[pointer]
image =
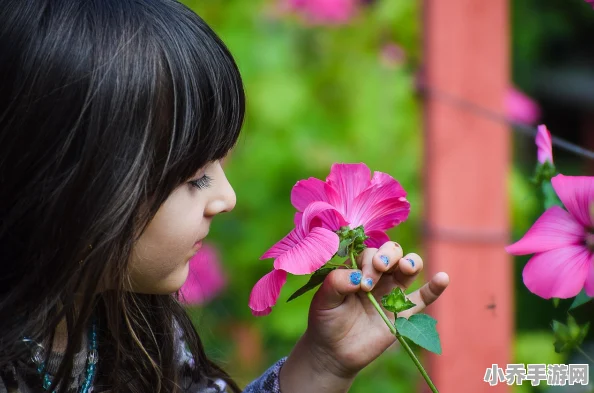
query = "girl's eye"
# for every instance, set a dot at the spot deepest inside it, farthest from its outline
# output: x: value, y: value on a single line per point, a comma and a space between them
x: 203, y: 182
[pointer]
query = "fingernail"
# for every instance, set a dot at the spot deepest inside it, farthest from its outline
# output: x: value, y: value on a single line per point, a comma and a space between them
x: 411, y: 261
x: 397, y: 245
x: 385, y: 260
x: 368, y: 282
x: 356, y: 278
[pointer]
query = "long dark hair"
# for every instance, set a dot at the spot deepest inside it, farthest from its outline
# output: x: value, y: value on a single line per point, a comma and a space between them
x: 106, y: 106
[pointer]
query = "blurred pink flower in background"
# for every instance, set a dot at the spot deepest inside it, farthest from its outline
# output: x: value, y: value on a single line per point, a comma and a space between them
x: 591, y: 2
x: 320, y: 12
x: 562, y: 243
x: 205, y: 278
x: 521, y: 108
x: 544, y: 144
x: 392, y: 55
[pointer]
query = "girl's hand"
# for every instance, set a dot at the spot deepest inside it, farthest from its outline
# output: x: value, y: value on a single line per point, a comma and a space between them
x: 345, y: 332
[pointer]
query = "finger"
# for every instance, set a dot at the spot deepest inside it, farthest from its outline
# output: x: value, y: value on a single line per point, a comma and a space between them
x: 388, y: 255
x: 404, y: 272
x: 427, y: 294
x: 366, y: 254
x: 408, y: 269
x: 373, y: 266
x: 336, y: 287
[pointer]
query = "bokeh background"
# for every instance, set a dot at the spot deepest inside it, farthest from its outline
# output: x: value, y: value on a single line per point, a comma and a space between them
x: 343, y: 88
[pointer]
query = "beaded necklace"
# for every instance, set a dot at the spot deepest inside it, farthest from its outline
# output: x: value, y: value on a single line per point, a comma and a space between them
x: 38, y: 357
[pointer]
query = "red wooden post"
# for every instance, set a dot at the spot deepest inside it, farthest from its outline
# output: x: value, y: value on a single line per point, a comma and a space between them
x: 467, y: 162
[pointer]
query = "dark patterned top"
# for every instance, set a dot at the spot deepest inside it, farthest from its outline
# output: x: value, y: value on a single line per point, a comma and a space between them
x: 23, y: 377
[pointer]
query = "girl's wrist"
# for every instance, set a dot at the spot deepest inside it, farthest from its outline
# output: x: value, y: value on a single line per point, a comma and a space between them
x: 308, y: 369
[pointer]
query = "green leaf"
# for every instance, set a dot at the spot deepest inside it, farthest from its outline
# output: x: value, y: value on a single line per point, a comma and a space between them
x: 556, y: 302
x: 570, y: 336
x: 316, y: 279
x: 550, y: 196
x: 580, y: 299
x: 420, y: 329
x: 343, y: 247
x: 396, y: 301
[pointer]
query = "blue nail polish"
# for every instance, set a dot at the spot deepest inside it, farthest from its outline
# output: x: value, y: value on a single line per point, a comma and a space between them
x: 411, y: 262
x: 356, y: 278
x: 385, y: 260
x: 369, y: 282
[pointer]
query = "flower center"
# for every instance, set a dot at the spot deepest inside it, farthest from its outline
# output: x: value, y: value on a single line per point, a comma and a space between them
x: 590, y: 241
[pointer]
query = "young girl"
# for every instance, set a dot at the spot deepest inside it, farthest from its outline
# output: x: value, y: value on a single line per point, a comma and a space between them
x: 114, y: 116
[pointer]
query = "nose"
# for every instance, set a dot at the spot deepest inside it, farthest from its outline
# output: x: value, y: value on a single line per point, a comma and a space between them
x: 224, y: 198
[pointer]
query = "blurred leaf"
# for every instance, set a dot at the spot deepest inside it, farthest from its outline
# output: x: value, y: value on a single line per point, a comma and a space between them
x: 580, y: 299
x: 570, y: 336
x: 420, y: 329
x: 550, y: 196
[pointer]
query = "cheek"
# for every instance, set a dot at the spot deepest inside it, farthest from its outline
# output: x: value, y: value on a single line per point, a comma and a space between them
x: 159, y: 262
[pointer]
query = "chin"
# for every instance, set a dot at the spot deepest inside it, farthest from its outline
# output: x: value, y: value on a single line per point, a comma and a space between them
x: 169, y: 284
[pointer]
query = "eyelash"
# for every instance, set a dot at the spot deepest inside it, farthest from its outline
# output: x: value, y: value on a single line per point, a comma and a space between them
x: 202, y: 183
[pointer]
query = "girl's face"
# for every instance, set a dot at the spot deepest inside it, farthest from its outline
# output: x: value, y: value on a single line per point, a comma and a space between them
x: 159, y: 263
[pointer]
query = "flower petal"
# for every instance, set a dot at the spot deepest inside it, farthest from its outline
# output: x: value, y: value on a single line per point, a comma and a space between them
x: 555, y: 228
x: 205, y: 278
x: 589, y: 286
x: 558, y: 273
x: 577, y: 194
x: 317, y: 248
x: 285, y: 244
x: 382, y: 179
x: 322, y: 214
x: 376, y: 239
x: 266, y: 292
x: 379, y: 208
x: 544, y: 145
x: 308, y: 191
x: 349, y: 180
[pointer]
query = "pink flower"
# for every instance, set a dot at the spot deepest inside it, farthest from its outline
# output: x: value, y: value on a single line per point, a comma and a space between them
x: 521, y: 108
x: 323, y: 11
x: 591, y: 2
x: 205, y: 278
x: 348, y: 197
x: 544, y: 144
x: 562, y: 243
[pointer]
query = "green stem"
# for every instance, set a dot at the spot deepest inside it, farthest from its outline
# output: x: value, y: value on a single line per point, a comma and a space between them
x: 353, y: 262
x: 417, y: 362
x: 403, y: 343
x: 382, y: 314
x: 580, y: 350
x: 399, y: 337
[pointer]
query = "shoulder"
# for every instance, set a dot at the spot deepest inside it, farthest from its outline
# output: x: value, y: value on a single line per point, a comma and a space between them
x: 267, y: 382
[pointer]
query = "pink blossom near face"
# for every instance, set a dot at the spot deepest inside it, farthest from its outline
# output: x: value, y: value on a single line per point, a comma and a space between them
x: 350, y: 196
x: 521, y: 108
x: 206, y: 278
x: 544, y: 144
x: 562, y: 243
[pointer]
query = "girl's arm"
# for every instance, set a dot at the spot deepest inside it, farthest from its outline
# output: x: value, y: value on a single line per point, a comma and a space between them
x: 305, y: 371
